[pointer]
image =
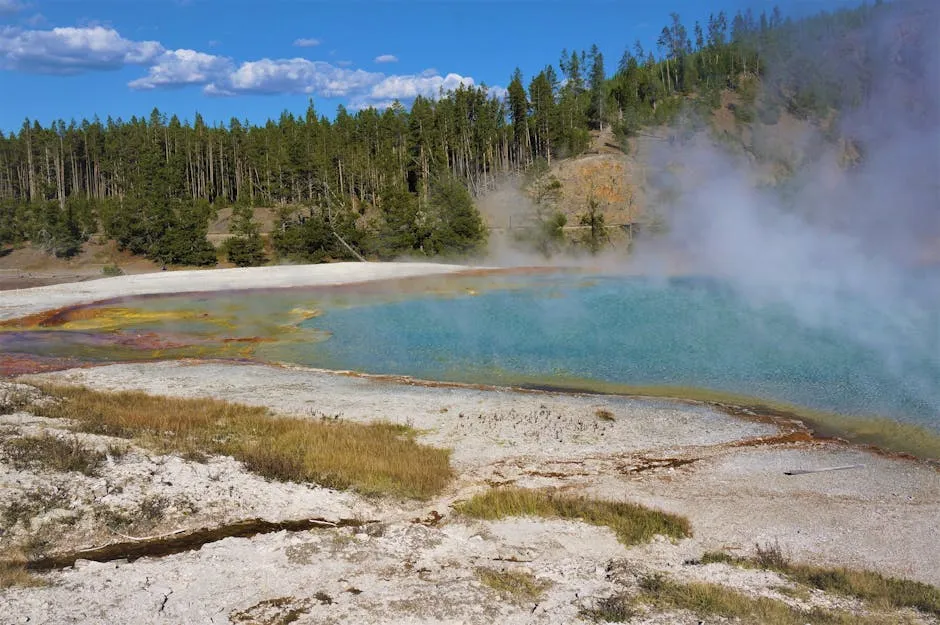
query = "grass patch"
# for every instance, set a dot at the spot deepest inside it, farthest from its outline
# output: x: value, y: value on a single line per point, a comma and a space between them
x: 800, y: 593
x: 53, y: 453
x: 30, y: 504
x: 713, y: 557
x: 604, y: 415
x: 632, y: 523
x: 280, y: 611
x: 771, y: 556
x: 875, y: 589
x: 13, y: 401
x: 378, y: 458
x: 13, y: 573
x: 712, y: 600
x: 517, y: 585
x: 614, y: 609
x: 148, y: 514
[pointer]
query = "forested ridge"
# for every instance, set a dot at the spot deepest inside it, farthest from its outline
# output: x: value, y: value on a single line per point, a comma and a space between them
x: 379, y: 184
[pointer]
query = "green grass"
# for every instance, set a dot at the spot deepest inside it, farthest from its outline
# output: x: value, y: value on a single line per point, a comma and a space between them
x: 515, y: 585
x: 633, y: 524
x: 377, y: 458
x: 874, y: 589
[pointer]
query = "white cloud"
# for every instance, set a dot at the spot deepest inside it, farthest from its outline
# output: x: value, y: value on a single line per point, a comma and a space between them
x: 407, y: 87
x: 178, y: 68
x: 72, y: 50
x: 304, y: 42
x: 298, y: 75
x: 8, y: 7
x: 362, y: 104
x: 500, y: 93
x: 386, y: 58
x: 68, y: 51
x: 215, y: 90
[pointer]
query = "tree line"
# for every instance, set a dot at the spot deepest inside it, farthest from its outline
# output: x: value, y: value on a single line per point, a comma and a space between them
x: 384, y: 183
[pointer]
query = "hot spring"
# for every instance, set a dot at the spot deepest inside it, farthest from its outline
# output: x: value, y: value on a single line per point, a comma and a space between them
x: 691, y: 337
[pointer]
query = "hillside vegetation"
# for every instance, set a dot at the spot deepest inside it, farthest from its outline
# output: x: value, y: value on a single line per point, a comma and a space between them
x: 381, y: 184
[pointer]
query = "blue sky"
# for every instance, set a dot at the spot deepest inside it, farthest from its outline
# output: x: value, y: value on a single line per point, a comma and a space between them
x: 77, y: 58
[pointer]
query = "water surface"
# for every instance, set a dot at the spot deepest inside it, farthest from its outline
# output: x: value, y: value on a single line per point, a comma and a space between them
x: 547, y: 329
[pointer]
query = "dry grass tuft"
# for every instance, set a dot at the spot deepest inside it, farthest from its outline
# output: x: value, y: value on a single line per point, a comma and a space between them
x: 13, y: 400
x: 53, y: 453
x: 378, y: 458
x: 875, y: 589
x: 604, y: 415
x: 712, y: 557
x: 13, y: 572
x: 771, y: 556
x: 614, y: 609
x: 713, y: 600
x: 517, y: 585
x: 632, y: 523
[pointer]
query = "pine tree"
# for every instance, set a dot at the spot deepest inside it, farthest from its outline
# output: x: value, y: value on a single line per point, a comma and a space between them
x: 455, y: 224
x: 544, y: 113
x: 597, y: 89
x: 245, y: 248
x: 519, y: 114
x: 400, y: 231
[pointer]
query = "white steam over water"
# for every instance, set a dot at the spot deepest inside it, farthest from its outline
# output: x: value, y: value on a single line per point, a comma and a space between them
x: 854, y: 249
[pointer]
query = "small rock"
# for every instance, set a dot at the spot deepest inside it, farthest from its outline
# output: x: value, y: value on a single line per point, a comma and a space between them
x: 100, y: 489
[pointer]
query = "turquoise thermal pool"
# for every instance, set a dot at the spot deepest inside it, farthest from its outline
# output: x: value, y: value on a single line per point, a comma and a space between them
x: 546, y: 329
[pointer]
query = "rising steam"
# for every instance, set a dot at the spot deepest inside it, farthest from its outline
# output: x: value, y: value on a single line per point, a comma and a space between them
x: 851, y: 242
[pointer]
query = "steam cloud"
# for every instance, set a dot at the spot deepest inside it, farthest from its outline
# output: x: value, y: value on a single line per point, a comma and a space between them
x: 852, y: 249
